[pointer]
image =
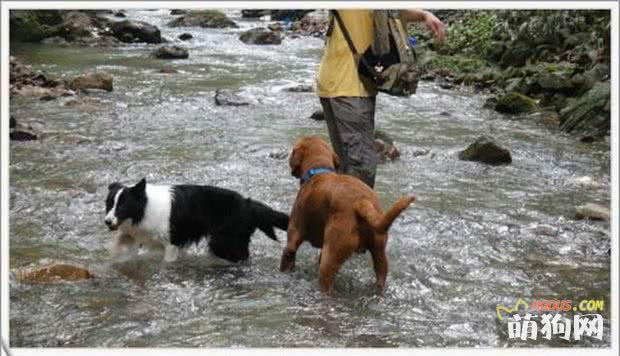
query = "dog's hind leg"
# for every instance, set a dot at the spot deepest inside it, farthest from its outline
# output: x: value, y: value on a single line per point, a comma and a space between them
x: 233, y: 244
x: 294, y: 239
x: 380, y: 262
x: 331, y: 260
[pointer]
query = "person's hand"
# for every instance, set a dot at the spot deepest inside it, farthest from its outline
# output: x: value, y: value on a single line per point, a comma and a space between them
x: 435, y: 25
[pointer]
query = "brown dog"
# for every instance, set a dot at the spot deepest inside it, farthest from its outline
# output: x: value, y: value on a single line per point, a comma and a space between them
x: 335, y: 212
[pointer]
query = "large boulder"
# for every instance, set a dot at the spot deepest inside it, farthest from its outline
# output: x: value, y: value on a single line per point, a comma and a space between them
x: 97, y: 80
x: 52, y: 272
x: 227, y: 97
x: 515, y: 103
x: 171, y: 52
x: 487, y: 151
x: 589, y: 114
x: 203, y: 18
x: 260, y: 36
x: 130, y: 31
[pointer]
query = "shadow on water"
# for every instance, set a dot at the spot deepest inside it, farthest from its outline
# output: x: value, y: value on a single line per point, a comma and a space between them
x: 477, y: 237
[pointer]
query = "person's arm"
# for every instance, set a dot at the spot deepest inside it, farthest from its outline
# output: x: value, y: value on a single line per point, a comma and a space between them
x: 431, y: 21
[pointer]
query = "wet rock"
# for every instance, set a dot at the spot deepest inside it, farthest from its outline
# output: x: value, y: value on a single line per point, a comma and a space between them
x: 120, y: 14
x: 486, y: 150
x: 226, y: 97
x: 254, y: 13
x: 176, y: 12
x: 97, y: 80
x: 19, y: 135
x: 313, y: 23
x: 168, y: 70
x: 318, y: 115
x: 590, y: 114
x: 275, y: 27
x: 592, y: 211
x: 203, y: 18
x: 52, y: 272
x: 260, y: 36
x: 185, y: 36
x: 56, y: 40
x: 515, y: 103
x: 300, y: 88
x: 84, y: 103
x: 279, y: 155
x: 171, y: 52
x: 384, y: 145
x: 12, y: 122
x: 76, y: 139
x: 587, y: 139
x: 130, y: 31
x: 76, y: 24
x: 47, y: 98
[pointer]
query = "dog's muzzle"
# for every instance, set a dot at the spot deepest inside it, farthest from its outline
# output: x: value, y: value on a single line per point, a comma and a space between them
x: 111, y: 225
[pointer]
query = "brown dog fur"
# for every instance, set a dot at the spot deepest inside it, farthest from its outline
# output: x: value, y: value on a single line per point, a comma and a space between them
x: 337, y: 213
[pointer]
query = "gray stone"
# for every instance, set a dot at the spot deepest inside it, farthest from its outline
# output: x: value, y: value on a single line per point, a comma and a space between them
x: 260, y: 36
x: 171, y: 52
x: 486, y: 150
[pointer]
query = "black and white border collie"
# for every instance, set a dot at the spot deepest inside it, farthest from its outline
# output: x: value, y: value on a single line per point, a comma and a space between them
x: 175, y: 216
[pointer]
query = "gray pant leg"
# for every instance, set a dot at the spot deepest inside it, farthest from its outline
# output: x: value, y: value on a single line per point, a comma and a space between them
x: 351, y: 126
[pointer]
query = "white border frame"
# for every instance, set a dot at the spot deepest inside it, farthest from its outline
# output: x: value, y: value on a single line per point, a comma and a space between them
x: 4, y: 166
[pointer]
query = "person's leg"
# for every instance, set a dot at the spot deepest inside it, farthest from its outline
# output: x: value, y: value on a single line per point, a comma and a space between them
x: 351, y: 126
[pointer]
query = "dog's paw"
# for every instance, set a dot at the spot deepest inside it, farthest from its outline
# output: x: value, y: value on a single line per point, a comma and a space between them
x: 171, y: 253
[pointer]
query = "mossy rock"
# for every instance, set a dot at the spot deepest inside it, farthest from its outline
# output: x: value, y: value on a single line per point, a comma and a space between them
x: 453, y: 63
x: 515, y: 103
x: 590, y: 113
x: 203, y: 18
x: 34, y: 25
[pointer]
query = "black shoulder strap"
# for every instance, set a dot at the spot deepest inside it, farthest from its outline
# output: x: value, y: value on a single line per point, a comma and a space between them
x: 347, y: 38
x: 344, y: 31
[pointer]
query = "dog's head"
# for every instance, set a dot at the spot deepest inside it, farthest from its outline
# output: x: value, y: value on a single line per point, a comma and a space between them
x: 124, y: 203
x: 310, y: 152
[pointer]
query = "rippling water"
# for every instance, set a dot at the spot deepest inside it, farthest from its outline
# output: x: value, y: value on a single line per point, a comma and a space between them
x: 477, y: 237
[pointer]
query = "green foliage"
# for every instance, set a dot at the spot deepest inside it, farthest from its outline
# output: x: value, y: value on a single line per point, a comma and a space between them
x: 471, y: 34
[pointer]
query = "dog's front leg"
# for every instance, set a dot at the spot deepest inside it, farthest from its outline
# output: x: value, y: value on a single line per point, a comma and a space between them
x: 171, y: 253
x: 122, y: 244
x: 287, y: 263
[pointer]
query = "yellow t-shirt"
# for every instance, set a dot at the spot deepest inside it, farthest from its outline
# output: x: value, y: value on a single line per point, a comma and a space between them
x: 338, y: 73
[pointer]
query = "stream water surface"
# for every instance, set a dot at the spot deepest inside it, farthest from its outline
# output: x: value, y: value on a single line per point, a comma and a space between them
x: 477, y: 237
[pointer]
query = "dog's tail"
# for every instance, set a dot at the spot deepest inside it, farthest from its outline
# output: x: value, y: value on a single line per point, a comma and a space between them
x: 381, y: 223
x: 266, y: 218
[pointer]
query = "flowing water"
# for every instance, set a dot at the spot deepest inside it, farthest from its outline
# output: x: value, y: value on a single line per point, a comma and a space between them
x: 477, y: 237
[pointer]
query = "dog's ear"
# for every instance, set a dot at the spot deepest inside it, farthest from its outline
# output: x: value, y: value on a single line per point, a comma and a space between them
x: 141, y: 186
x: 114, y: 186
x: 294, y: 162
x: 335, y: 160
